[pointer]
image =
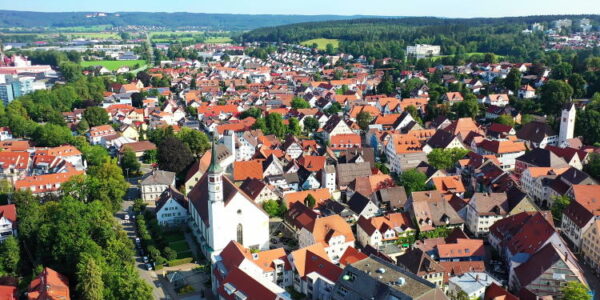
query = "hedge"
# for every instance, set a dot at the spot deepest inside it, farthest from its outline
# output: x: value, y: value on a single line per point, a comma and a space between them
x: 177, y: 262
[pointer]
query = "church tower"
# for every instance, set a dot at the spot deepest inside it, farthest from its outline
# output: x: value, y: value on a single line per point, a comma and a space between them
x: 216, y: 207
x: 567, y: 124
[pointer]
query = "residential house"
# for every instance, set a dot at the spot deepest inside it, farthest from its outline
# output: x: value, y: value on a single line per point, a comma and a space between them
x: 154, y: 183
x: 537, y: 135
x: 581, y: 213
x: 49, y: 285
x: 421, y: 264
x: 431, y: 210
x: 172, y: 208
x: 484, y: 210
x: 505, y: 151
x: 377, y: 231
x: 97, y: 134
x: 8, y: 221
x: 474, y: 284
x: 589, y: 247
x: 314, y: 273
x: 333, y: 232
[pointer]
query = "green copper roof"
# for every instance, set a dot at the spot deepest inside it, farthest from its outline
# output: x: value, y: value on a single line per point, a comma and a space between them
x: 214, y: 162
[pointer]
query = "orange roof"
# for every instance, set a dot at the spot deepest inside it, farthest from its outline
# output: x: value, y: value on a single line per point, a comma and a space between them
x: 8, y: 292
x: 463, y: 126
x: 500, y: 147
x: 63, y: 151
x: 462, y: 248
x: 320, y: 195
x: 323, y: 229
x: 587, y: 196
x: 543, y: 171
x: 351, y: 255
x: 448, y: 184
x: 14, y: 145
x: 263, y: 259
x: 243, y: 170
x: 372, y: 110
x: 299, y: 256
x: 20, y: 160
x: 312, y: 163
x: 388, y: 119
x: 351, y: 139
x: 49, y: 285
x: 46, y: 182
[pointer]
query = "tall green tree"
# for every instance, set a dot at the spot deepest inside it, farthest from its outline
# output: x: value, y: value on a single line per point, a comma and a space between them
x: 443, y: 159
x: 70, y: 70
x: 413, y: 181
x: 95, y: 116
x: 513, y: 80
x: 555, y: 94
x: 89, y: 279
x: 298, y: 102
x: 558, y: 206
x: 364, y: 119
x: 311, y: 124
x: 9, y: 257
x: 310, y: 201
x: 274, y: 125
x: 577, y: 82
x: 294, y: 127
x: 174, y: 155
x: 561, y: 71
x: 50, y: 135
x: 196, y: 140
x: 575, y: 290
x: 129, y: 162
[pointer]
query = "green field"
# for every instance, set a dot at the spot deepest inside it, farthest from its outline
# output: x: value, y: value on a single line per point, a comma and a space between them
x: 113, y: 64
x: 321, y: 43
x: 93, y: 35
x: 218, y: 40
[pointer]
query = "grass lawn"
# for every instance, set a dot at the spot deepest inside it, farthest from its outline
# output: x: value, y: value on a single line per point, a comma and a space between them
x: 218, y: 40
x: 173, y: 237
x: 179, y: 246
x: 113, y: 64
x: 321, y: 43
x: 184, y: 254
x: 93, y: 35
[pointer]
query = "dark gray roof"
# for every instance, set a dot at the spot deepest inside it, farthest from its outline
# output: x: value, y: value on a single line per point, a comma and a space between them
x: 348, y: 172
x: 375, y: 278
x: 440, y: 139
x: 542, y: 158
x: 535, y: 131
x: 159, y: 177
x: 358, y: 202
x: 395, y: 197
x: 171, y: 193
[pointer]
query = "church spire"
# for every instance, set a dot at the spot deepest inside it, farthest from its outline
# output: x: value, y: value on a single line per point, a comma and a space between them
x: 214, y: 167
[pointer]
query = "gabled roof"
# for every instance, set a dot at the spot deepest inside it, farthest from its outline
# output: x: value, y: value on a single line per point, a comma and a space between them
x: 535, y: 131
x: 49, y: 285
x: 541, y: 157
x: 351, y: 255
x: 419, y: 262
x: 243, y: 170
x: 245, y: 286
x: 158, y: 177
x: 171, y: 193
x: 323, y: 229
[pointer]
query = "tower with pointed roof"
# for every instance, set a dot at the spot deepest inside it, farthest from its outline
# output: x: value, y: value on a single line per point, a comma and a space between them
x: 216, y: 206
x: 567, y: 124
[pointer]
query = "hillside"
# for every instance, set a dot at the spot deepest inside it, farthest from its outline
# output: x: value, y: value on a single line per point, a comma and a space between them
x: 388, y: 37
x: 27, y: 19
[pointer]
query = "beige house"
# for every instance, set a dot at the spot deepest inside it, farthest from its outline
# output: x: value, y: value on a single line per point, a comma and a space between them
x: 589, y: 246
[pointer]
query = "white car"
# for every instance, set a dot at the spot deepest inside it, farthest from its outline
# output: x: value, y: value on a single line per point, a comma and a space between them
x: 126, y: 217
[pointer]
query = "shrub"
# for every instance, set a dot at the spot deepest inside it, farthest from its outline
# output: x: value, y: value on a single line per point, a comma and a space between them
x: 177, y: 262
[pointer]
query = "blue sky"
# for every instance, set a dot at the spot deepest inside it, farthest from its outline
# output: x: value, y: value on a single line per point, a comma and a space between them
x: 440, y: 8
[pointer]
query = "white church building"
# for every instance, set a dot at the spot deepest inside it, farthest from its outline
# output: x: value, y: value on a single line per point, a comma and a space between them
x: 221, y: 212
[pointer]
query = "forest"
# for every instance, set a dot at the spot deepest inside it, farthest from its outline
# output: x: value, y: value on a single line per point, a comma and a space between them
x: 385, y: 37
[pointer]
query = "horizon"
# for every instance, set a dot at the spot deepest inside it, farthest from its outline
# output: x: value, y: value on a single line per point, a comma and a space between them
x: 350, y: 8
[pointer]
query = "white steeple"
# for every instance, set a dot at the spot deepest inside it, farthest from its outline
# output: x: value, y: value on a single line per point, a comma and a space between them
x: 216, y: 206
x: 567, y: 124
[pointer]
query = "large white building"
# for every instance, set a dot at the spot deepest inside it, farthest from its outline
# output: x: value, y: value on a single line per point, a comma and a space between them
x: 221, y: 213
x: 423, y: 50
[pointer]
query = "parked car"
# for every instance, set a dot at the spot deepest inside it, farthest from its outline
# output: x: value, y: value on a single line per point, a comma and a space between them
x: 126, y: 217
x: 149, y: 267
x: 145, y: 259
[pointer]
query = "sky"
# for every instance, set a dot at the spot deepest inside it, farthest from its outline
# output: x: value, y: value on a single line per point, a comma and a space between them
x: 438, y: 8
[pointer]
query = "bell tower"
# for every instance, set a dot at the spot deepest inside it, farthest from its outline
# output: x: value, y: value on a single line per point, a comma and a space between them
x: 216, y: 207
x: 567, y: 124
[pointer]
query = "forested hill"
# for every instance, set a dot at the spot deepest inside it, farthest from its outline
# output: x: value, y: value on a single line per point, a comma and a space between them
x: 388, y: 37
x: 29, y: 19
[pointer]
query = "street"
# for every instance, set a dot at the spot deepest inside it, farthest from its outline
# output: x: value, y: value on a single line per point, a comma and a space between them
x: 149, y: 276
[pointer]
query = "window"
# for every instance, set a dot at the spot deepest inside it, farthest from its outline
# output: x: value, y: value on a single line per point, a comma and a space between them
x: 240, y: 234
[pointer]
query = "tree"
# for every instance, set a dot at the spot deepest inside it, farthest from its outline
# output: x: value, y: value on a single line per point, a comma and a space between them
x: 555, y: 94
x: 575, y: 290
x: 89, y: 279
x: 558, y: 206
x: 95, y: 116
x: 83, y: 126
x: 562, y: 71
x: 106, y: 184
x: 386, y: 86
x: 71, y: 71
x: 137, y: 100
x: 513, y: 80
x: 197, y: 141
x: 129, y: 162
x: 505, y: 120
x: 593, y: 166
x: 577, y: 82
x: 9, y: 256
x: 310, y: 201
x: 273, y: 208
x: 254, y: 112
x: 150, y: 156
x: 174, y: 155
x: 169, y: 253
x: 50, y: 135
x: 330, y: 49
x: 364, y: 119
x: 443, y: 159
x: 274, y: 124
x: 413, y: 180
x: 333, y: 109
x: 311, y: 124
x: 294, y: 126
x: 466, y: 109
x: 298, y: 102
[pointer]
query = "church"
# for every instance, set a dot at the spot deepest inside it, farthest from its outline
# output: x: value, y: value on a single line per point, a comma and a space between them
x: 221, y: 212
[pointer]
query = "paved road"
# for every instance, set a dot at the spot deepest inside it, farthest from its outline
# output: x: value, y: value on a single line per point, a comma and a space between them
x: 149, y: 276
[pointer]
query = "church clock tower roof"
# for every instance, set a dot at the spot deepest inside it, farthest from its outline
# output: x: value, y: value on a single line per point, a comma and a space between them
x: 214, y: 167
